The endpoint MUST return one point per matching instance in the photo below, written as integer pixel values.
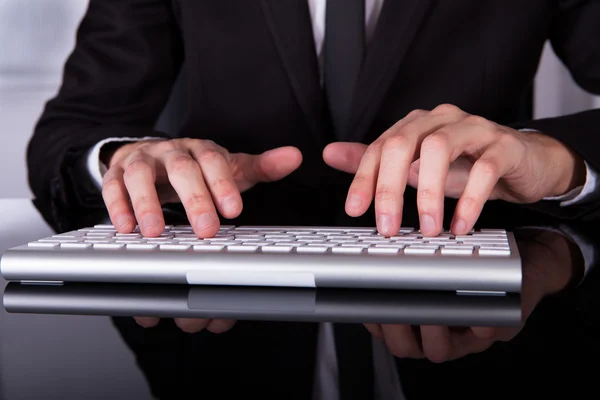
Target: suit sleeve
(115, 84)
(574, 36)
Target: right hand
(200, 174)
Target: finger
(191, 325)
(116, 200)
(484, 175)
(362, 189)
(217, 175)
(220, 325)
(139, 177)
(147, 322)
(344, 156)
(484, 332)
(465, 342)
(186, 178)
(437, 343)
(270, 166)
(401, 341)
(399, 152)
(375, 330)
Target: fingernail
(427, 223)
(150, 221)
(231, 204)
(384, 223)
(353, 202)
(205, 221)
(460, 226)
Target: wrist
(568, 166)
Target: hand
(549, 264)
(447, 152)
(191, 325)
(202, 175)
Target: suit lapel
(396, 28)
(291, 28)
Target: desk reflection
(270, 351)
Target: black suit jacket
(252, 84)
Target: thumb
(344, 156)
(270, 166)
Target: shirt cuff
(95, 167)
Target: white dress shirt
(386, 379)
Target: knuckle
(409, 132)
(385, 193)
(199, 202)
(416, 113)
(360, 181)
(446, 108)
(374, 149)
(111, 186)
(164, 146)
(208, 155)
(477, 120)
(436, 142)
(425, 195)
(469, 203)
(223, 186)
(143, 204)
(181, 163)
(199, 199)
(488, 167)
(394, 143)
(138, 166)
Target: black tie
(343, 53)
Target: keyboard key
(420, 250)
(293, 244)
(108, 246)
(209, 247)
(75, 245)
(312, 249)
(347, 250)
(43, 244)
(178, 247)
(383, 250)
(494, 252)
(277, 249)
(457, 251)
(242, 248)
(142, 246)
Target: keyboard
(274, 255)
(309, 240)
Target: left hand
(448, 152)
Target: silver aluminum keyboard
(286, 239)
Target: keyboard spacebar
(254, 278)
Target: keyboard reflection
(265, 304)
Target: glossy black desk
(45, 356)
